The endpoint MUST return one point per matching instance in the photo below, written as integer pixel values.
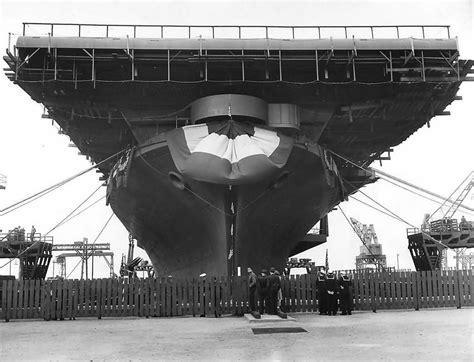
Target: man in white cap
(321, 290)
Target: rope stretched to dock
(49, 189)
(63, 221)
(385, 175)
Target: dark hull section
(270, 221)
(194, 230)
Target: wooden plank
(379, 290)
(14, 307)
(470, 283)
(311, 293)
(147, 295)
(408, 291)
(5, 298)
(237, 296)
(3, 301)
(46, 305)
(21, 291)
(385, 287)
(303, 293)
(404, 289)
(123, 297)
(64, 303)
(68, 302)
(297, 293)
(156, 297)
(36, 299)
(466, 287)
(356, 294)
(306, 293)
(435, 277)
(9, 300)
(29, 299)
(429, 277)
(107, 297)
(422, 275)
(443, 289)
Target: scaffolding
(84, 251)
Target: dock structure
(84, 251)
(427, 244)
(33, 251)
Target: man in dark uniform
(321, 290)
(252, 281)
(345, 294)
(273, 287)
(331, 289)
(262, 288)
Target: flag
(228, 152)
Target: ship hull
(199, 227)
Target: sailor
(32, 233)
(252, 281)
(273, 287)
(321, 290)
(280, 294)
(331, 289)
(345, 294)
(262, 288)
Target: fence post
(457, 289)
(46, 300)
(373, 292)
(416, 289)
(4, 301)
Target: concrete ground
(434, 335)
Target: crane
(130, 266)
(371, 250)
(446, 232)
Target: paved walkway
(441, 334)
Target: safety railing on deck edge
(317, 29)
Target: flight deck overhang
(234, 44)
(358, 97)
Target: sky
(34, 156)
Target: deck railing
(238, 31)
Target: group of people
(332, 293)
(267, 288)
(331, 290)
(18, 234)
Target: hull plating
(193, 230)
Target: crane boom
(455, 205)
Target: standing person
(274, 286)
(32, 233)
(279, 294)
(345, 294)
(252, 281)
(321, 290)
(262, 287)
(331, 288)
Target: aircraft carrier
(228, 147)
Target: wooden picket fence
(70, 299)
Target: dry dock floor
(433, 335)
